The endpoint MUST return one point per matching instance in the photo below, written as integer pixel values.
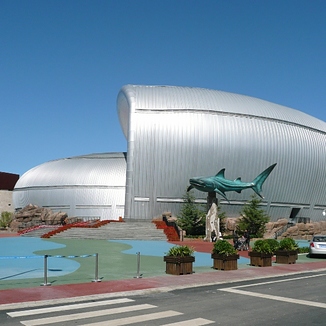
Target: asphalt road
(292, 300)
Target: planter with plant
(287, 252)
(225, 256)
(261, 254)
(179, 260)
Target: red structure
(8, 180)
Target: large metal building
(88, 186)
(176, 133)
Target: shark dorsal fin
(238, 179)
(221, 173)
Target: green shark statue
(220, 185)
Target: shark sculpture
(220, 185)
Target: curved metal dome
(174, 98)
(176, 133)
(88, 185)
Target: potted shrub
(179, 260)
(287, 252)
(261, 254)
(225, 256)
(274, 244)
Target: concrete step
(37, 233)
(130, 230)
(145, 230)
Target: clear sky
(63, 62)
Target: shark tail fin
(260, 179)
(190, 187)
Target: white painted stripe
(136, 319)
(192, 322)
(67, 307)
(277, 298)
(83, 315)
(279, 281)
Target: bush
(303, 250)
(288, 244)
(274, 244)
(192, 219)
(5, 220)
(180, 251)
(253, 218)
(223, 247)
(262, 246)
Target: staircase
(129, 230)
(38, 232)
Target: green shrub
(5, 220)
(180, 251)
(274, 244)
(253, 218)
(262, 246)
(303, 250)
(223, 247)
(192, 217)
(288, 244)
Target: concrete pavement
(29, 296)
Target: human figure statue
(212, 220)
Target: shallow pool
(18, 261)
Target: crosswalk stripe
(30, 312)
(83, 315)
(136, 319)
(276, 297)
(191, 322)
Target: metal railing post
(45, 271)
(96, 269)
(138, 266)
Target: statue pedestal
(212, 220)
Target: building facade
(87, 186)
(176, 133)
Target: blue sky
(62, 64)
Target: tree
(5, 219)
(192, 217)
(222, 217)
(253, 218)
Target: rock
(32, 215)
(283, 229)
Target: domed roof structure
(177, 133)
(87, 186)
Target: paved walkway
(30, 296)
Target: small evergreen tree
(5, 219)
(253, 218)
(222, 217)
(192, 217)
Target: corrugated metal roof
(175, 133)
(93, 169)
(175, 98)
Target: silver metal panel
(85, 186)
(173, 98)
(175, 133)
(179, 133)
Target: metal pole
(96, 269)
(138, 266)
(45, 271)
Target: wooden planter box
(260, 259)
(286, 256)
(225, 263)
(179, 265)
